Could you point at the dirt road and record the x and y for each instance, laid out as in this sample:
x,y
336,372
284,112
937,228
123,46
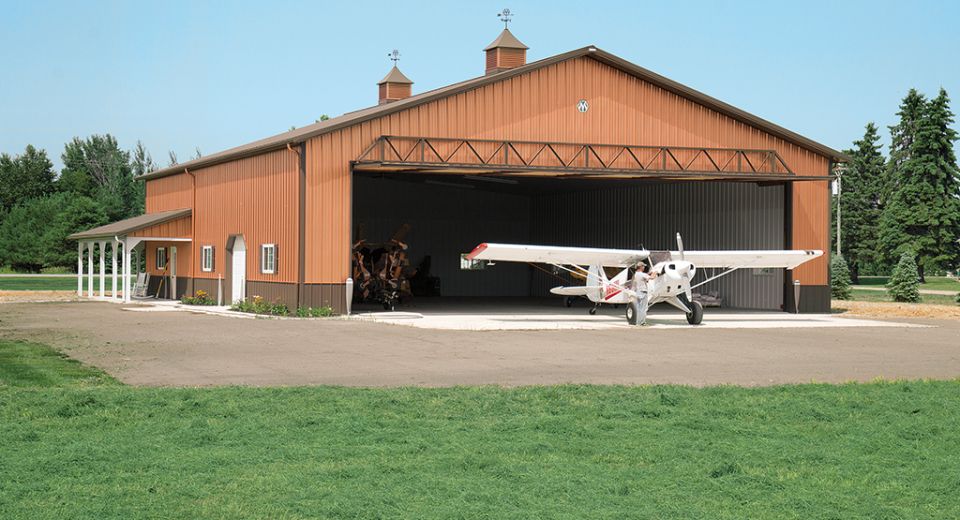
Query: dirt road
x,y
181,349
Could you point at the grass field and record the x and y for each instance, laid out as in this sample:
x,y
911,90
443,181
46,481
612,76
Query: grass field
x,y
866,295
47,283
941,283
79,445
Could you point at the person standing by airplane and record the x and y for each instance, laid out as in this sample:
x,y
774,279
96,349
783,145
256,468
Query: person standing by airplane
x,y
640,299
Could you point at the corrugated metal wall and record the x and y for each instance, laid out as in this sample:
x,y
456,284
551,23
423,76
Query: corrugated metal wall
x,y
541,106
178,228
255,197
710,216
445,222
166,193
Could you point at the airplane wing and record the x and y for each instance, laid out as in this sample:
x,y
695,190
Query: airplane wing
x,y
789,259
558,255
576,290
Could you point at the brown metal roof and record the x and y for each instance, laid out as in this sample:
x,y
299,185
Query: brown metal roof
x,y
124,227
506,40
395,76
351,118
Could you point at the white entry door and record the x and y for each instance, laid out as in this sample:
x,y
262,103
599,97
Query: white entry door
x,y
238,271
173,272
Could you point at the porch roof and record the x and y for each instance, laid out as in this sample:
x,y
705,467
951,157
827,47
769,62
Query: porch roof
x,y
127,226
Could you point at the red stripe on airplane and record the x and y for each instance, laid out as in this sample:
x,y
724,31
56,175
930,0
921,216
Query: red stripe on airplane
x,y
476,251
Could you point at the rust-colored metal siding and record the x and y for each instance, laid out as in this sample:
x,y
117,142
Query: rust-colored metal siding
x,y
179,228
255,197
541,106
811,224
183,258
166,193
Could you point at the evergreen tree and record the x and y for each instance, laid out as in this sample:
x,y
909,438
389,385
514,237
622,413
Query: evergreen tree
x,y
74,214
24,177
902,136
21,234
904,284
839,278
860,203
922,214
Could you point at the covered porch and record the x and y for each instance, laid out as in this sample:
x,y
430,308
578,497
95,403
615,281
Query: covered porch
x,y
124,245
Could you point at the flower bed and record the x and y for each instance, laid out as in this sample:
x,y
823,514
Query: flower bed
x,y
199,298
257,305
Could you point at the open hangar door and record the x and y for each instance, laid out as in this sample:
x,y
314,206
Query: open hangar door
x,y
449,214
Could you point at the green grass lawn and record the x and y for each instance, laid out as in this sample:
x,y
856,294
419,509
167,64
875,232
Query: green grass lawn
x,y
44,283
866,295
73,449
941,283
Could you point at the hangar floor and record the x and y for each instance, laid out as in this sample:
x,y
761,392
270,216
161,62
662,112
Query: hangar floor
x,y
549,314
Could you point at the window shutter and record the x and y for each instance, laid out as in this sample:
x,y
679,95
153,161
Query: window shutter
x,y
213,258
276,256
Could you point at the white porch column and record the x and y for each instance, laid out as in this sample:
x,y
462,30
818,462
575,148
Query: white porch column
x,y
103,271
113,270
80,268
126,272
90,249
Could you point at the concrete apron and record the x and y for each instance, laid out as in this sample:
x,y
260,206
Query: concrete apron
x,y
535,317
581,321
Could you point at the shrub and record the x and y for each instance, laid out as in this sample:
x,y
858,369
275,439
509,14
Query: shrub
x,y
904,284
199,298
839,278
257,305
314,312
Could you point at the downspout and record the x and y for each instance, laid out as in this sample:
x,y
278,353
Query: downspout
x,y
193,228
301,217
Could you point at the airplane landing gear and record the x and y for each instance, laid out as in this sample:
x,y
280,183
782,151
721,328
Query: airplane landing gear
x,y
695,316
568,301
593,310
631,315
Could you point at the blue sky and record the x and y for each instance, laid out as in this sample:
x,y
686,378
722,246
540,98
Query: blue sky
x,y
181,75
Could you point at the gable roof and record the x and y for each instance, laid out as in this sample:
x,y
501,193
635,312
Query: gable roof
x,y
127,226
300,135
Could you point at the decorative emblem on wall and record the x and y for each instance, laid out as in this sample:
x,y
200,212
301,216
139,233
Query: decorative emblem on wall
x,y
583,106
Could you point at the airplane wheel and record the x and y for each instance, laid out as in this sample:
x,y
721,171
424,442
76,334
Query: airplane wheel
x,y
592,311
631,315
696,315
568,301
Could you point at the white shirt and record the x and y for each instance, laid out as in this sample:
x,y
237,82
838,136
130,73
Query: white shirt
x,y
640,280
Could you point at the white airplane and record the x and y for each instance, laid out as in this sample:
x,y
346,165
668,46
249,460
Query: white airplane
x,y
676,270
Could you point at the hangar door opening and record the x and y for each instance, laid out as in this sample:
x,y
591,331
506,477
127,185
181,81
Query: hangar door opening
x,y
440,217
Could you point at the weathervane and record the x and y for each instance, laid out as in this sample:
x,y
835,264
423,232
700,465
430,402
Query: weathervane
x,y
505,17
394,56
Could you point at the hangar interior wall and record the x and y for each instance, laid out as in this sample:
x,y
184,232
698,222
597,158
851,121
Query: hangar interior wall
x,y
709,216
446,221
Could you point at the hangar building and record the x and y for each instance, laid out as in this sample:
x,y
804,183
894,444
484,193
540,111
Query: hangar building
x,y
578,149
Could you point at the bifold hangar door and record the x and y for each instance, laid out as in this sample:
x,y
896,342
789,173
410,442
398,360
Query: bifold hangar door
x,y
448,215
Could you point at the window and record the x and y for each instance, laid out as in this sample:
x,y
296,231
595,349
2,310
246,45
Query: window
x,y
161,258
206,259
268,258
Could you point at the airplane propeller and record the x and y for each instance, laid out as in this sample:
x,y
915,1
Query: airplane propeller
x,y
687,291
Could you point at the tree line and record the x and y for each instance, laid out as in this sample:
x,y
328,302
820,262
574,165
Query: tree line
x,y
40,207
908,202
